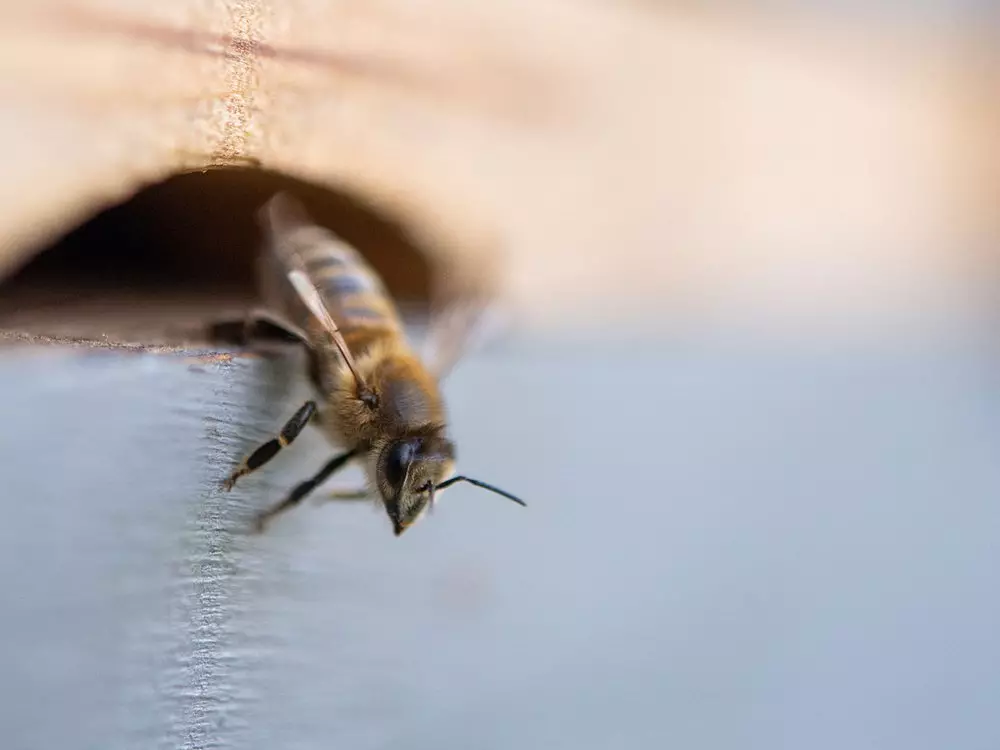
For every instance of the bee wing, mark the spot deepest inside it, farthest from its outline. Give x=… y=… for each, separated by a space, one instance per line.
x=460 y=328
x=307 y=291
x=282 y=215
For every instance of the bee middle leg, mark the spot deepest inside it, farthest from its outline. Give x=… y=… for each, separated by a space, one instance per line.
x=304 y=488
x=362 y=493
x=270 y=449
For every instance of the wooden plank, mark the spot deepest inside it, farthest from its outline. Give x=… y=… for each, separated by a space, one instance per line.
x=756 y=544
x=701 y=163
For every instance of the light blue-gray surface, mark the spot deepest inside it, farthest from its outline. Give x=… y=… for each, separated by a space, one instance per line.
x=727 y=546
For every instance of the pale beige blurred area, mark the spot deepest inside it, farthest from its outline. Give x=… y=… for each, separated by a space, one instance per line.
x=635 y=162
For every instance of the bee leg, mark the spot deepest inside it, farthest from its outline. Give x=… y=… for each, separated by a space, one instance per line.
x=227 y=332
x=304 y=488
x=359 y=494
x=262 y=326
x=270 y=449
x=259 y=325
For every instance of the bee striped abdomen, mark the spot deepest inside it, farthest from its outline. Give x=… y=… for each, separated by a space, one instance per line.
x=349 y=288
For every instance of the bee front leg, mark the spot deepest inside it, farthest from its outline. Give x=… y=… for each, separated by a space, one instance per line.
x=272 y=447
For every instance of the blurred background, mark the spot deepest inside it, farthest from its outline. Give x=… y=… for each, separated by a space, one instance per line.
x=746 y=258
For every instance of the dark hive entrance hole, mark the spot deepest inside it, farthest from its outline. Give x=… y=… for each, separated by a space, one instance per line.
x=157 y=266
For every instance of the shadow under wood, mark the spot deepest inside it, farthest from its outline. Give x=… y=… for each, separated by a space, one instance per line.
x=155 y=268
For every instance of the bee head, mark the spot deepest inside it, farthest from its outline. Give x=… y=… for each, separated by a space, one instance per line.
x=409 y=470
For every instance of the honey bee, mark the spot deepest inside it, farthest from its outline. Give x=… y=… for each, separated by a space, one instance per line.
x=378 y=400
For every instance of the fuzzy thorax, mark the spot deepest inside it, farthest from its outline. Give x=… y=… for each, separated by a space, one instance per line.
x=408 y=397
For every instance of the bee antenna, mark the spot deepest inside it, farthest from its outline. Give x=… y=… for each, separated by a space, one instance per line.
x=477 y=483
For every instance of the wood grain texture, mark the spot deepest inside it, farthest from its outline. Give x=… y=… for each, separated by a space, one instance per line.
x=772 y=558
x=800 y=170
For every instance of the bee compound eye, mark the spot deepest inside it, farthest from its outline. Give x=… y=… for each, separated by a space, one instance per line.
x=400 y=454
